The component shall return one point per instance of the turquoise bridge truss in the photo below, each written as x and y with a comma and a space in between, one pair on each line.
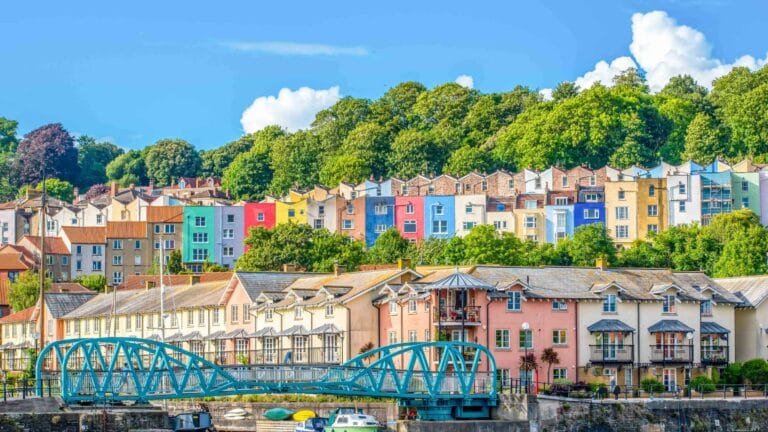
441, 380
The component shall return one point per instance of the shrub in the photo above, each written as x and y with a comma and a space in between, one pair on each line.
715, 376
652, 385
733, 374
756, 371
703, 384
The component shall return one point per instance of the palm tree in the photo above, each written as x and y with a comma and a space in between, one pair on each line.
550, 357
527, 363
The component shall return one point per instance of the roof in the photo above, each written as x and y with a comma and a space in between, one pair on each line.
325, 329
71, 287
165, 214
14, 260
754, 289
21, 316
85, 235
713, 328
610, 325
254, 283
53, 245
459, 280
669, 326
126, 230
133, 282
60, 304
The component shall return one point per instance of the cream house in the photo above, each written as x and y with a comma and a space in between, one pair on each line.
751, 315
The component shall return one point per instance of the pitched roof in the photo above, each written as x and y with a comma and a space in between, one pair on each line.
610, 325
126, 230
708, 327
85, 235
669, 326
71, 287
14, 261
165, 214
254, 283
133, 282
62, 303
753, 288
53, 245
459, 280
21, 316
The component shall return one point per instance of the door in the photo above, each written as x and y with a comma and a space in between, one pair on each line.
612, 344
670, 379
269, 350
330, 349
612, 376
299, 349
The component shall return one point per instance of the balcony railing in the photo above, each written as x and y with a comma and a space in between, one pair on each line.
714, 355
661, 353
611, 353
467, 314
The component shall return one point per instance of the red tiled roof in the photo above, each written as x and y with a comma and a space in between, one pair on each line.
127, 230
139, 281
14, 261
53, 245
86, 235
17, 317
168, 214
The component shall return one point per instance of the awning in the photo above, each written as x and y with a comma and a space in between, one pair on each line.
326, 329
217, 335
154, 337
713, 328
459, 280
297, 330
664, 326
194, 336
236, 334
7, 346
610, 325
264, 332
177, 337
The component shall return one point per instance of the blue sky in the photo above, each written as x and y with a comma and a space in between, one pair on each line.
152, 70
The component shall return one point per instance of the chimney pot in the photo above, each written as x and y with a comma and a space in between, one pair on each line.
601, 263
113, 189
338, 269
289, 268
403, 263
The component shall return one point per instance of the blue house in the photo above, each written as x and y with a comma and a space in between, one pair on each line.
439, 216
589, 207
379, 216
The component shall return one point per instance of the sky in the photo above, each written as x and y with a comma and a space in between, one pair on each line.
135, 72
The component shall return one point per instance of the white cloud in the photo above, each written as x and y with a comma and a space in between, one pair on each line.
465, 81
292, 110
664, 49
546, 93
296, 49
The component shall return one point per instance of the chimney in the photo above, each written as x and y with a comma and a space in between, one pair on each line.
289, 268
338, 269
76, 194
149, 284
113, 189
403, 263
601, 263
194, 279
131, 186
151, 187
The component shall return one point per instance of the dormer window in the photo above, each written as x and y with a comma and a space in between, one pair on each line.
609, 303
298, 313
668, 304
514, 299
537, 183
706, 308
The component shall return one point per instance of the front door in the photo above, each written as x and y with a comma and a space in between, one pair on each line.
670, 379
330, 349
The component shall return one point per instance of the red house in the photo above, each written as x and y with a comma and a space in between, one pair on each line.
259, 214
409, 217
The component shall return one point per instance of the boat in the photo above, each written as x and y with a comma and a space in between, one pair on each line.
346, 419
314, 424
195, 421
236, 414
278, 414
302, 415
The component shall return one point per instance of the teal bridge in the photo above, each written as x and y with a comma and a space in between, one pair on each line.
440, 380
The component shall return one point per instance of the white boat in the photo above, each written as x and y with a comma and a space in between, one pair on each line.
351, 420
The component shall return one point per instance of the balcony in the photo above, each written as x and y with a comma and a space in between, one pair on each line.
714, 355
661, 353
448, 315
611, 354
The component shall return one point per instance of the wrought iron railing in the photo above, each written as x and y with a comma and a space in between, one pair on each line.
466, 314
714, 355
661, 353
611, 353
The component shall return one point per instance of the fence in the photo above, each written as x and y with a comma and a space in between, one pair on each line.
23, 388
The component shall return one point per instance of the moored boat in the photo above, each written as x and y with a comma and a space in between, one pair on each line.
352, 420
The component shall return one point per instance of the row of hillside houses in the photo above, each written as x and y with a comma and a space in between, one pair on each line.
126, 231
611, 325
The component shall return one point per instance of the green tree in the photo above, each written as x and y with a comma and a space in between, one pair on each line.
333, 124
58, 189
467, 159
25, 291
705, 140
95, 282
93, 158
8, 139
248, 176
416, 152
371, 143
169, 159
744, 254
755, 371
589, 242
128, 168
565, 90
483, 245
330, 249
175, 263
389, 247
446, 103
393, 109
643, 253
550, 357
344, 167
296, 161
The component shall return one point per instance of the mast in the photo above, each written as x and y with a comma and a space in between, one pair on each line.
41, 294
162, 289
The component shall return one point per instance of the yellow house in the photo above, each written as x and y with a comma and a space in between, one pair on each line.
530, 218
291, 208
634, 209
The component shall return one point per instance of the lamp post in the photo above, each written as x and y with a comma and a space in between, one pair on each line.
689, 371
526, 365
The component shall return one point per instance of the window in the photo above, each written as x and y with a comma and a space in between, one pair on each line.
412, 336
502, 339
668, 304
468, 208
199, 254
380, 209
622, 195
653, 210
609, 303
591, 213
393, 307
514, 299
350, 209
559, 305
170, 244
526, 339
49, 260
117, 244
392, 337
117, 260
681, 188
317, 223
591, 197
440, 227
199, 221
380, 228
321, 210
744, 186
78, 250
96, 250
592, 180
230, 218
532, 237
409, 226
157, 229
329, 310
560, 374
137, 260
622, 231
268, 314
78, 265
745, 202
412, 306
439, 209
298, 313
500, 225
681, 206
170, 228
468, 225
117, 277
347, 224
706, 308
65, 260
559, 337
246, 312
99, 219
622, 213
409, 208
200, 237
653, 228
216, 315
564, 181
96, 265
561, 201
228, 233
561, 219
537, 183
233, 313
530, 221
200, 316
228, 251
530, 204
260, 217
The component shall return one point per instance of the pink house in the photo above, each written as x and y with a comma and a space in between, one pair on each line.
409, 217
258, 214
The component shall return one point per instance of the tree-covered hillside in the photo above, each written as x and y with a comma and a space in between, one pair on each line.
452, 129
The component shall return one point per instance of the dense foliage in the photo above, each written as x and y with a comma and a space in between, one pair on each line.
25, 291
